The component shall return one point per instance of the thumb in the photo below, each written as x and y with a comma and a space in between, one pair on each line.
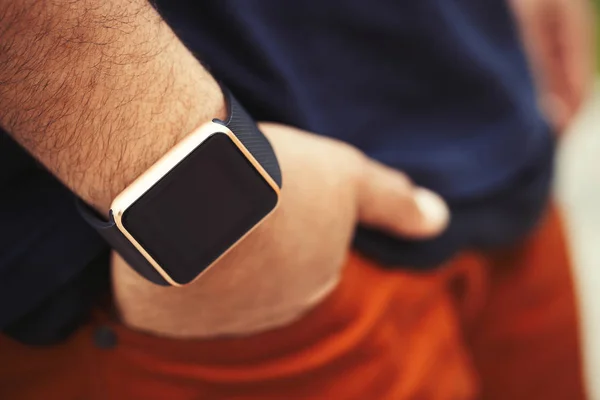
388, 200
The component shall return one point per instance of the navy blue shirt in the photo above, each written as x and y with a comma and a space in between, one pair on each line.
437, 88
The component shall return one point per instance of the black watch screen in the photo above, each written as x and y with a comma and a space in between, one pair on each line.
210, 199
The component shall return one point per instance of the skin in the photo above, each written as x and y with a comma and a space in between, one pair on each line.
98, 90
558, 35
293, 260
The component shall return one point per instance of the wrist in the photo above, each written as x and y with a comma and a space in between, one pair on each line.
97, 93
178, 115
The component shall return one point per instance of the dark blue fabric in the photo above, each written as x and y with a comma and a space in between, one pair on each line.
437, 88
44, 243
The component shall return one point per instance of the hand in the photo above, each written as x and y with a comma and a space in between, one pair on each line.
294, 259
558, 36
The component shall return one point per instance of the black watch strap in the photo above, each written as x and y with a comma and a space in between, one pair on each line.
117, 241
244, 127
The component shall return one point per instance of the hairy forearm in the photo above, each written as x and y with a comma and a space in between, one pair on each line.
98, 90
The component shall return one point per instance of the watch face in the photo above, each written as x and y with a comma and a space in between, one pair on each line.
200, 208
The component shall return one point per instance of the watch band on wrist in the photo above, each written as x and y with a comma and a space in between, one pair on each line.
246, 130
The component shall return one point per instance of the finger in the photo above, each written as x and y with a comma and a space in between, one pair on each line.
389, 201
576, 47
538, 23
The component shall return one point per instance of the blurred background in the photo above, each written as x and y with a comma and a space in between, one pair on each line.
579, 191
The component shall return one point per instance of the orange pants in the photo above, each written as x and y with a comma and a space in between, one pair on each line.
499, 325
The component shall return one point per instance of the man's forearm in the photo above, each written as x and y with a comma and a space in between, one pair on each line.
98, 90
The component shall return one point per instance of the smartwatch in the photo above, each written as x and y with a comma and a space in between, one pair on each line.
196, 202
